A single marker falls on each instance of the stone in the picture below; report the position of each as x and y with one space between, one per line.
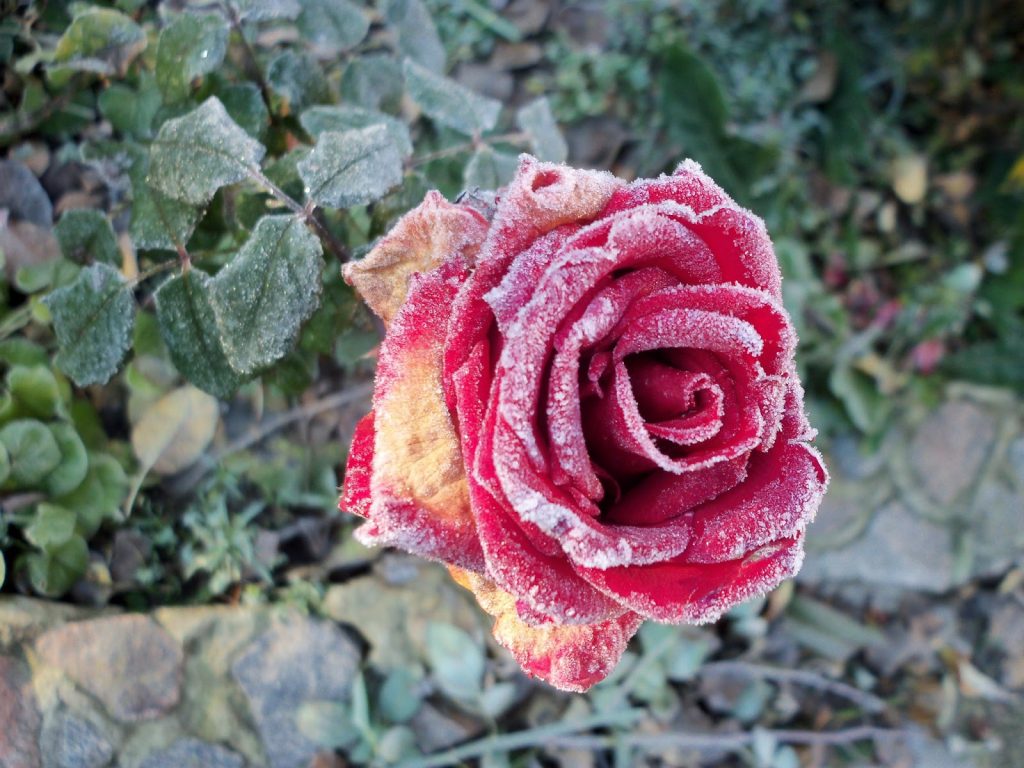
529 16
70 741
950 447
998 537
296 661
392 609
19 717
898 549
436 730
192 753
127 662
24 618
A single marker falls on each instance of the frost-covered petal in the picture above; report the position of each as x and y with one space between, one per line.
419 496
680 591
430 233
356 496
569 657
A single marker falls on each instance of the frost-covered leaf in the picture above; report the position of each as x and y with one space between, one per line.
189 329
175 430
373 81
31 449
74 461
190 46
55 571
488 169
100 40
323 118
416 33
93 320
298 80
264 10
538 122
352 168
85 235
448 103
269 289
332 26
22 194
195 155
158 221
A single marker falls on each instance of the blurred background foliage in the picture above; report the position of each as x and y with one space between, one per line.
161 443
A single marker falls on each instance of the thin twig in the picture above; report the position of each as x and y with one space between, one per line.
276 423
804 677
522 739
732 742
252 64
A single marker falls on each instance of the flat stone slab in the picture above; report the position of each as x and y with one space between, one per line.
298 660
127 662
19 717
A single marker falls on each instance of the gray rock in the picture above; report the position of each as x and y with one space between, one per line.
296 661
23 196
998 535
950 447
19 717
127 662
192 753
69 741
898 549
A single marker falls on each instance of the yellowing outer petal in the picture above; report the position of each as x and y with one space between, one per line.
419 242
572 658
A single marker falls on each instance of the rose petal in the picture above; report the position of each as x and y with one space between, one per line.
430 233
420 499
359 470
571 658
679 591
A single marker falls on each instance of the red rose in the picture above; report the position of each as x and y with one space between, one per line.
586 405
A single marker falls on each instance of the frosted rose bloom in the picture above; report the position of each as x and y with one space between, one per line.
586 406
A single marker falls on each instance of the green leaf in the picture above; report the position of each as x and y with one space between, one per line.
268 290
457 660
352 168
327 724
85 235
189 47
74 461
52 525
400 697
448 103
488 169
3 569
332 26
867 408
92 319
21 351
244 103
189 329
158 221
696 118
55 571
100 40
546 140
32 449
298 80
35 390
131 110
417 35
265 10
195 155
175 430
5 472
323 118
373 81
99 495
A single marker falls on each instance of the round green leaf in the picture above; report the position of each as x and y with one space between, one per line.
51 527
85 235
5 465
54 572
74 461
33 451
36 390
99 496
